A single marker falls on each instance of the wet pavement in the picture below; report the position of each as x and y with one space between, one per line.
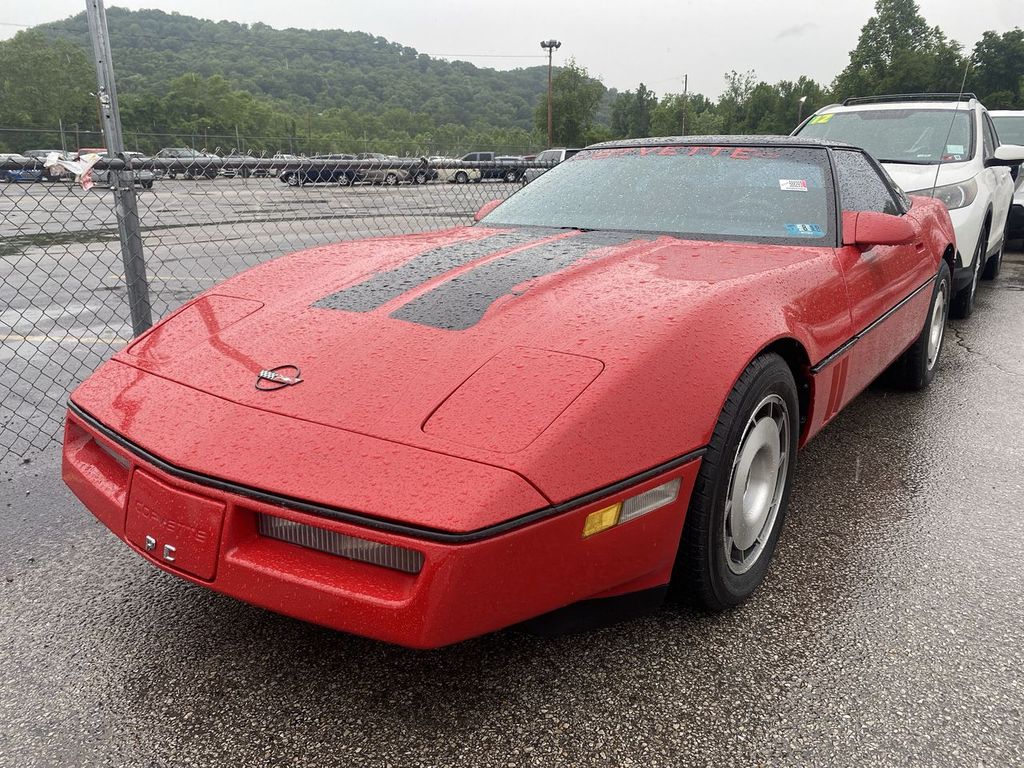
890 628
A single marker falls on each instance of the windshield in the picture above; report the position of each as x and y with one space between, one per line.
1010 129
908 136
764 194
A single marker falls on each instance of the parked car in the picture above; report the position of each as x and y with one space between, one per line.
245 166
453 175
385 174
941 141
1010 129
40 155
19 175
196 164
143 177
550 156
589 394
321 169
508 168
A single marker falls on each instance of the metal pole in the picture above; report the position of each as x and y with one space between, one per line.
63 141
551 52
550 45
686 82
125 203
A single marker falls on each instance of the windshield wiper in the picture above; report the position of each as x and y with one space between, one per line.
908 162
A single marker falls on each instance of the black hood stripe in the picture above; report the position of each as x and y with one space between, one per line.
461 302
383 287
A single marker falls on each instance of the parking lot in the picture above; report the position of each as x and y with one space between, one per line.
890 627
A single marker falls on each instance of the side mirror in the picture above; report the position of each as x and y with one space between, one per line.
486 208
867 228
1006 155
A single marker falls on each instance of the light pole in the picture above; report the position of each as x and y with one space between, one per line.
551 46
800 110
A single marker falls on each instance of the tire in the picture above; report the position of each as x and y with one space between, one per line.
461 177
995 263
916 367
391 180
147 185
345 180
963 303
510 177
420 178
294 180
754 441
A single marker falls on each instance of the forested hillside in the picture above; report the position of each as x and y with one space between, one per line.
331 69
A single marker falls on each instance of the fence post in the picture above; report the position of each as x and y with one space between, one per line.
125 203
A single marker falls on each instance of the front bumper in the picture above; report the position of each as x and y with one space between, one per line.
465 587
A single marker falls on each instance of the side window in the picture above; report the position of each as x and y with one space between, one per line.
990 137
991 127
860 186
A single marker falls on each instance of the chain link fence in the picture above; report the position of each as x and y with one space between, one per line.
64 299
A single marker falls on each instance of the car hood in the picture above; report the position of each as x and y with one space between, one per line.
915 178
474 342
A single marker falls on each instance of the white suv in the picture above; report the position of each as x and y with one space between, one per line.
944 143
1010 130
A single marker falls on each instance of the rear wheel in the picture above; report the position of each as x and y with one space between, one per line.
963 302
510 176
741 492
915 368
391 180
461 177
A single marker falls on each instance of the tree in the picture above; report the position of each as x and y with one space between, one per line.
998 74
575 100
631 113
897 52
43 82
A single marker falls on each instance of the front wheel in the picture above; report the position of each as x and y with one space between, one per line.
391 180
740 496
916 367
995 264
963 303
461 177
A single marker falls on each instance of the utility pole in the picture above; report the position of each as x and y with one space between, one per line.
686 83
551 46
125 203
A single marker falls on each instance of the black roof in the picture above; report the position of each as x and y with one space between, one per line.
722 141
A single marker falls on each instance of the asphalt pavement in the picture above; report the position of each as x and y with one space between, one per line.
889 630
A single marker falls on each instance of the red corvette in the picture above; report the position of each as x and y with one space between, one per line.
595 392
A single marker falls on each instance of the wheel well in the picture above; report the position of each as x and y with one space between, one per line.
950 258
793 352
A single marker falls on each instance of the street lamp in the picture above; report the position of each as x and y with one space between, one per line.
551 46
800 110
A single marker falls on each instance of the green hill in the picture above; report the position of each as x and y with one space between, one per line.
325 88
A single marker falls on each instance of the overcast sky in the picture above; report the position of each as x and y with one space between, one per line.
655 41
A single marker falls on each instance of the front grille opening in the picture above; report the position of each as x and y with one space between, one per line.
333 543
